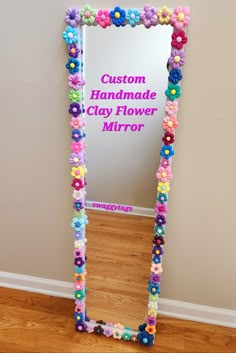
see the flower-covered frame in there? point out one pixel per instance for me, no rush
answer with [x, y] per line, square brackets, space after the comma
[149, 16]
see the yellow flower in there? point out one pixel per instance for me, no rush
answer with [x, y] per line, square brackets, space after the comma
[152, 312]
[150, 329]
[77, 172]
[164, 15]
[163, 188]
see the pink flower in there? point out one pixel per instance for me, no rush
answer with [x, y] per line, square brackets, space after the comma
[161, 208]
[103, 18]
[78, 286]
[171, 107]
[77, 147]
[77, 123]
[170, 123]
[77, 195]
[79, 309]
[180, 17]
[75, 81]
[164, 174]
[156, 268]
[165, 162]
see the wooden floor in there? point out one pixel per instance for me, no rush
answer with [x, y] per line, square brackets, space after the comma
[37, 323]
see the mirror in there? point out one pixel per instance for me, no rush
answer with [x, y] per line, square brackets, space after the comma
[122, 164]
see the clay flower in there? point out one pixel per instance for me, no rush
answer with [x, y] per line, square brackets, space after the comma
[162, 198]
[78, 194]
[177, 58]
[164, 174]
[73, 65]
[154, 288]
[145, 338]
[118, 16]
[164, 15]
[90, 329]
[160, 221]
[161, 208]
[88, 15]
[117, 333]
[80, 326]
[76, 159]
[134, 338]
[77, 123]
[103, 18]
[73, 51]
[156, 268]
[167, 152]
[98, 330]
[159, 230]
[149, 16]
[77, 253]
[78, 205]
[173, 92]
[79, 295]
[74, 96]
[159, 240]
[107, 332]
[75, 81]
[126, 336]
[119, 326]
[168, 138]
[70, 35]
[151, 321]
[170, 123]
[75, 109]
[180, 17]
[150, 329]
[178, 39]
[78, 184]
[133, 17]
[171, 107]
[77, 172]
[77, 135]
[163, 188]
[77, 147]
[175, 76]
[79, 309]
[155, 278]
[72, 17]
[165, 162]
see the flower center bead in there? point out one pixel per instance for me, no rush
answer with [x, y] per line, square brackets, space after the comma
[73, 50]
[170, 123]
[171, 107]
[117, 15]
[167, 152]
[77, 172]
[149, 15]
[164, 14]
[145, 340]
[70, 35]
[72, 65]
[180, 17]
[173, 91]
[87, 14]
[72, 16]
[103, 17]
[76, 160]
[74, 95]
[163, 188]
[74, 110]
[168, 138]
[177, 59]
[179, 39]
[132, 16]
[163, 175]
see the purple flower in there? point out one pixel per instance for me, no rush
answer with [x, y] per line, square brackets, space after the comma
[107, 332]
[151, 321]
[79, 261]
[165, 162]
[157, 250]
[80, 326]
[75, 109]
[72, 17]
[78, 205]
[177, 58]
[155, 278]
[90, 329]
[77, 159]
[73, 51]
[149, 16]
[160, 220]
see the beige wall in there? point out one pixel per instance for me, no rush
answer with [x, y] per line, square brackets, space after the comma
[35, 195]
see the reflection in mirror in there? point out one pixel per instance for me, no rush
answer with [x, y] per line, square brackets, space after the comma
[126, 77]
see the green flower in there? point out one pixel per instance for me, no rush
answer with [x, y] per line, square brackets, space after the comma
[88, 15]
[159, 231]
[79, 294]
[126, 336]
[75, 96]
[173, 92]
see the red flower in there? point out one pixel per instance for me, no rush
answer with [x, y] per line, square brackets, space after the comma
[77, 184]
[179, 39]
[168, 138]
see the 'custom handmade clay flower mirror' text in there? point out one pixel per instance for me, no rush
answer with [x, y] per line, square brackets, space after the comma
[124, 68]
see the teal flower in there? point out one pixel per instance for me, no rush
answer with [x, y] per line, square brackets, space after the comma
[162, 198]
[126, 336]
[70, 35]
[159, 230]
[133, 17]
[173, 92]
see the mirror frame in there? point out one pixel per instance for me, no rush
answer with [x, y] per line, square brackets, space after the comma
[150, 16]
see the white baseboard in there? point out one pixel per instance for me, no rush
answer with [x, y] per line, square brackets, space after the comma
[167, 307]
[136, 211]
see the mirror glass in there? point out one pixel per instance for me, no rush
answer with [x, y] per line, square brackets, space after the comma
[126, 77]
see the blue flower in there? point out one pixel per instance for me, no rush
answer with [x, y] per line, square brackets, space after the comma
[73, 65]
[175, 76]
[154, 288]
[77, 135]
[76, 224]
[167, 152]
[79, 269]
[156, 259]
[145, 338]
[118, 16]
[70, 35]
[79, 317]
[133, 17]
